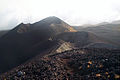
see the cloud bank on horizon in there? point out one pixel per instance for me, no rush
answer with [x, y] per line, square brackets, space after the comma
[74, 12]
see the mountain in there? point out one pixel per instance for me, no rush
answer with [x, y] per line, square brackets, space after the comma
[46, 37]
[27, 40]
[77, 64]
[108, 31]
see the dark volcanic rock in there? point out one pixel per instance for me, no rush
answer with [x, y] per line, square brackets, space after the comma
[78, 64]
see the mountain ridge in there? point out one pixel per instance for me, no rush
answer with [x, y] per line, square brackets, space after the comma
[49, 35]
[27, 40]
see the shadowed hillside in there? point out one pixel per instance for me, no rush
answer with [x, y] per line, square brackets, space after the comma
[27, 40]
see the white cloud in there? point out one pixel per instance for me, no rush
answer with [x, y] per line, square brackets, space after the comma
[74, 12]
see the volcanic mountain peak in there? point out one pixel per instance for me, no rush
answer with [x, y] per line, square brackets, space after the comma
[49, 20]
[50, 24]
[52, 19]
[56, 24]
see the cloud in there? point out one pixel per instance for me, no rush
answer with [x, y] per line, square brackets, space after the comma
[74, 12]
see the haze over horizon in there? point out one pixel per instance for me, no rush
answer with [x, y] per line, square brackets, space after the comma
[74, 12]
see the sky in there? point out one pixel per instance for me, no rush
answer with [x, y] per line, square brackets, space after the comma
[74, 12]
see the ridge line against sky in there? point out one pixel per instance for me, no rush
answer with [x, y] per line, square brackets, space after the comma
[74, 12]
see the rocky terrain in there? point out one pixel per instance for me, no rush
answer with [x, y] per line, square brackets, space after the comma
[77, 64]
[52, 50]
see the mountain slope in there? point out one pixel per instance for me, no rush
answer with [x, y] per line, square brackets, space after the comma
[2, 32]
[84, 39]
[27, 40]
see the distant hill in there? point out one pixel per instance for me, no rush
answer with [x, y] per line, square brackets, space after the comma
[116, 22]
[108, 31]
